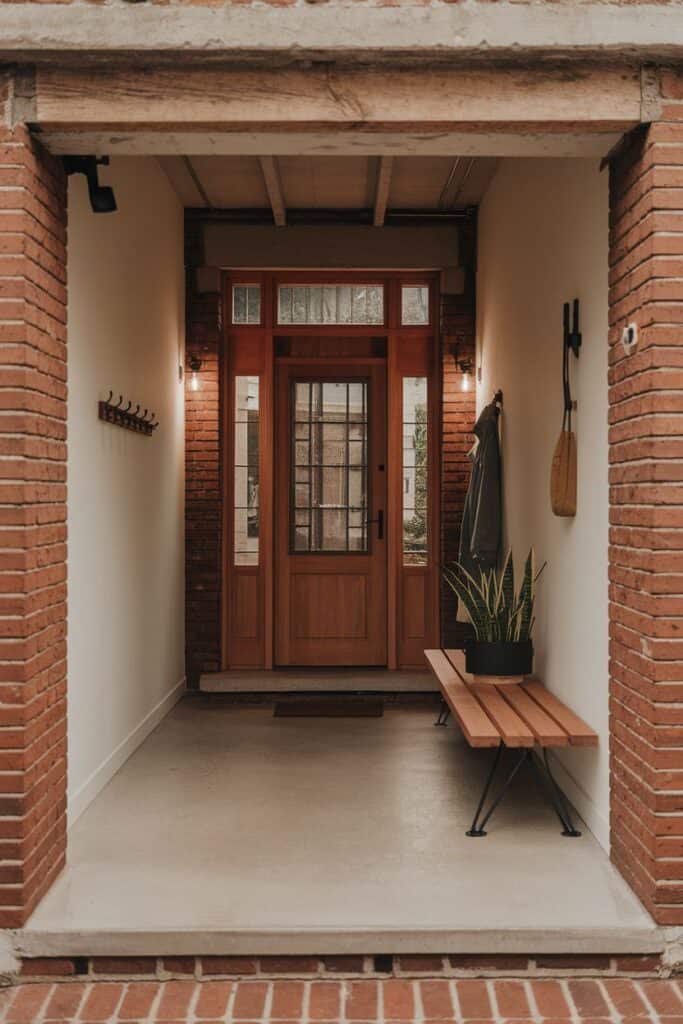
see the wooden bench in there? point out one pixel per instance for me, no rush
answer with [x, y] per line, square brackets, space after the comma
[523, 716]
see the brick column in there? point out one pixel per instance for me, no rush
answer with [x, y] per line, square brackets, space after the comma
[33, 396]
[457, 421]
[203, 492]
[646, 511]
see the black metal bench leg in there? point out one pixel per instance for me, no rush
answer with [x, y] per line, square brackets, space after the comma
[544, 774]
[556, 796]
[478, 826]
[444, 714]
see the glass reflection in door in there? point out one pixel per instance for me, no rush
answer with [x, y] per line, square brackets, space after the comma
[329, 467]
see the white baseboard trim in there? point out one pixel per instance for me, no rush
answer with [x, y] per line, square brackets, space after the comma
[86, 793]
[597, 822]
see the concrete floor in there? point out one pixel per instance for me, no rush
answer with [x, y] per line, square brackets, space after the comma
[230, 830]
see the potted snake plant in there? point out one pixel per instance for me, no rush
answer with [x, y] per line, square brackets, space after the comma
[502, 617]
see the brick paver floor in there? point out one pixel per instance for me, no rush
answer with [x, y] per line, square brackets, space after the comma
[589, 1000]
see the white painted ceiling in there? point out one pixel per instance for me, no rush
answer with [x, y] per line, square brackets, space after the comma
[334, 182]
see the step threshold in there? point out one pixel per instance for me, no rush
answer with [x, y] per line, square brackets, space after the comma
[318, 681]
[329, 942]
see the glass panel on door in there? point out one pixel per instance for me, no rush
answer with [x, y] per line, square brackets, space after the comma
[329, 467]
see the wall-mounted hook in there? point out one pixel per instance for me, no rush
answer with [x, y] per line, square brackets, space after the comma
[119, 416]
[572, 338]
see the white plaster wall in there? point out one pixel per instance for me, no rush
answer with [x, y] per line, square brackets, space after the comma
[125, 497]
[542, 241]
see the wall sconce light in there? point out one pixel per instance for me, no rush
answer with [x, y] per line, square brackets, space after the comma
[195, 367]
[465, 366]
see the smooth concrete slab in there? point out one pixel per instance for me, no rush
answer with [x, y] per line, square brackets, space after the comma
[316, 681]
[232, 831]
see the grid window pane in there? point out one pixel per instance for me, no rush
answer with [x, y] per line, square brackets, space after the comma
[414, 305]
[246, 471]
[415, 456]
[331, 304]
[246, 304]
[329, 466]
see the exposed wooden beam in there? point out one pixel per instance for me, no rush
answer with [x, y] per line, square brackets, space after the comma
[271, 178]
[197, 181]
[406, 100]
[296, 142]
[386, 166]
[184, 185]
[458, 175]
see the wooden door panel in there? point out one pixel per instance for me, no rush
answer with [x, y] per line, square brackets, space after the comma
[245, 609]
[331, 556]
[414, 606]
[329, 606]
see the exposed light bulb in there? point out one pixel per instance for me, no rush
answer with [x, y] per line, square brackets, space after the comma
[195, 366]
[465, 382]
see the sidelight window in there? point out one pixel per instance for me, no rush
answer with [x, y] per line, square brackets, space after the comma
[415, 465]
[329, 467]
[246, 506]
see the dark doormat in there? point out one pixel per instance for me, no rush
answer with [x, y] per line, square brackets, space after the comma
[345, 708]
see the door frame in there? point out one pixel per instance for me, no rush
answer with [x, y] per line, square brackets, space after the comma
[248, 592]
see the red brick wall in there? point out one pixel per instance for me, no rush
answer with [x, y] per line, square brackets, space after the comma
[32, 523]
[646, 511]
[203, 491]
[458, 413]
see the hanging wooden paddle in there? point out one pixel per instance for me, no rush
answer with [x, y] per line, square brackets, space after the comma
[563, 470]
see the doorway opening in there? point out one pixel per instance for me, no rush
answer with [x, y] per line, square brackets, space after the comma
[331, 469]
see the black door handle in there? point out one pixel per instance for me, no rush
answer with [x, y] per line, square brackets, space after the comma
[380, 524]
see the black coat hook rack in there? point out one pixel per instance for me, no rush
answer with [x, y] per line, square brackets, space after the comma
[114, 412]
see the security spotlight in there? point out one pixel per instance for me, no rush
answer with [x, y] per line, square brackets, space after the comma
[102, 199]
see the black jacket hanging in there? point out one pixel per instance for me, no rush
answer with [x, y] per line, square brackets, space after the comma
[480, 535]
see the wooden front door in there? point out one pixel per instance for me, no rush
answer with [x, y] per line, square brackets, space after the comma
[330, 515]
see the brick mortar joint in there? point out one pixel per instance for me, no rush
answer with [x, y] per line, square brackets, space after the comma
[669, 964]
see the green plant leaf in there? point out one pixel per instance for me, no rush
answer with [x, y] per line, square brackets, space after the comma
[493, 608]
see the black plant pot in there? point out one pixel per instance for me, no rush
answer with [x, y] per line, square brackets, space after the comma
[503, 658]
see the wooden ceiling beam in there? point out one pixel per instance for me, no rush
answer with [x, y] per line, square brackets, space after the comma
[386, 166]
[273, 183]
[406, 100]
[296, 142]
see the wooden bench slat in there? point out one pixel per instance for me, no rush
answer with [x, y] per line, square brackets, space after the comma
[478, 728]
[546, 730]
[515, 732]
[580, 734]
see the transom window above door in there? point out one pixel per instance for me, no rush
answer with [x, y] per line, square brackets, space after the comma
[353, 304]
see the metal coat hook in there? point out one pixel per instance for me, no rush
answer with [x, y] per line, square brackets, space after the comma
[571, 343]
[113, 413]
